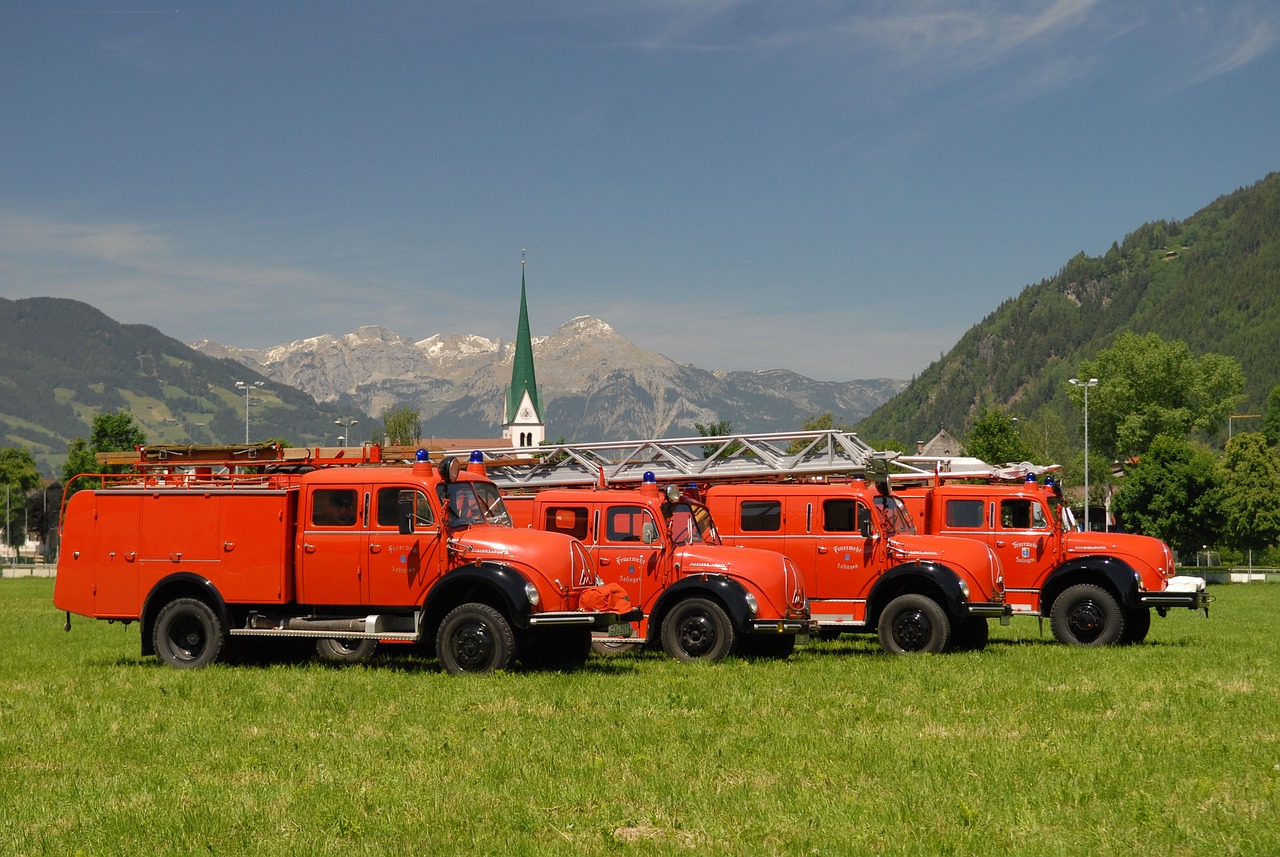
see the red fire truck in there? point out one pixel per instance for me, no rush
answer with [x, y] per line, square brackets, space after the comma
[210, 547]
[864, 567]
[701, 600]
[1096, 588]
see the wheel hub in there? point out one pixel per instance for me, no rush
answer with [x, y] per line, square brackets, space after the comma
[912, 630]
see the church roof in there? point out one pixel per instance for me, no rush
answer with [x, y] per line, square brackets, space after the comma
[522, 374]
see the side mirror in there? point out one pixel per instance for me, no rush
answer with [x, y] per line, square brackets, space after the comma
[649, 532]
[865, 528]
[404, 512]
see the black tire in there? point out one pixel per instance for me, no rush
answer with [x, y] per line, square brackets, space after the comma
[914, 624]
[697, 629]
[1087, 615]
[1136, 625]
[188, 634]
[555, 648]
[970, 634]
[768, 646]
[475, 638]
[345, 650]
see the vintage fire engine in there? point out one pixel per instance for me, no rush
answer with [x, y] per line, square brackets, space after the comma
[211, 549]
[701, 600]
[1096, 588]
[864, 567]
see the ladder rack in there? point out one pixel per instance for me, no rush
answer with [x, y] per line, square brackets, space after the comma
[776, 456]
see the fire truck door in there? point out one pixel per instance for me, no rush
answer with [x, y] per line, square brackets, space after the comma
[841, 575]
[116, 542]
[622, 554]
[333, 539]
[402, 568]
[1021, 535]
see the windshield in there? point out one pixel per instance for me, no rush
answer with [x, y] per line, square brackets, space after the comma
[896, 517]
[690, 523]
[475, 503]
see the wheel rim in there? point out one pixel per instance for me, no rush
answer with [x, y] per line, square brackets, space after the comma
[697, 635]
[912, 630]
[187, 638]
[473, 646]
[1086, 621]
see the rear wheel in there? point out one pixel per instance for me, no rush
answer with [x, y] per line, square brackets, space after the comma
[609, 648]
[188, 634]
[771, 646]
[345, 650]
[970, 634]
[555, 648]
[697, 629]
[1087, 615]
[914, 624]
[475, 638]
[1136, 625]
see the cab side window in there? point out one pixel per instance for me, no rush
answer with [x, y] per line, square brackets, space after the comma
[624, 523]
[761, 516]
[333, 507]
[964, 513]
[570, 520]
[840, 516]
[388, 508]
[1015, 514]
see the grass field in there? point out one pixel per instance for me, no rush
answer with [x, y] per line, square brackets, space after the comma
[1167, 748]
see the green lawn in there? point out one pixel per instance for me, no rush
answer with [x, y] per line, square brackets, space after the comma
[1167, 748]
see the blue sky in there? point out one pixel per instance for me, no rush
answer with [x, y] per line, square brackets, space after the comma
[840, 189]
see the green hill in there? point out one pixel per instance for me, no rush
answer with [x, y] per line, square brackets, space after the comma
[1212, 280]
[62, 362]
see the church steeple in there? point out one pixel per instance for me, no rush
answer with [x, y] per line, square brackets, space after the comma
[522, 411]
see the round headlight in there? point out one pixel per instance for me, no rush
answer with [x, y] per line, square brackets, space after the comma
[531, 592]
[752, 604]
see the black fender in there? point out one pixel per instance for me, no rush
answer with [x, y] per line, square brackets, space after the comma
[184, 584]
[1109, 572]
[486, 582]
[731, 594]
[934, 579]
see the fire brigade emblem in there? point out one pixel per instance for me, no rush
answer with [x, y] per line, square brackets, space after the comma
[1026, 553]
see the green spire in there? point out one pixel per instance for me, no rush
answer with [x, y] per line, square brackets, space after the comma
[522, 376]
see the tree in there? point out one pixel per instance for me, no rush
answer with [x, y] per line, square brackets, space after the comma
[18, 475]
[403, 426]
[110, 433]
[1045, 437]
[115, 433]
[716, 429]
[994, 438]
[1250, 493]
[1148, 387]
[1173, 492]
[1271, 417]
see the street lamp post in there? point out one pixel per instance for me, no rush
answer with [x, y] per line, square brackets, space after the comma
[347, 424]
[1092, 382]
[248, 388]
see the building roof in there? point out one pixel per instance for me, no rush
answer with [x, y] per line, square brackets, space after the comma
[522, 375]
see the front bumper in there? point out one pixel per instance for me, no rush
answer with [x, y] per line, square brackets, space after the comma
[1181, 591]
[988, 609]
[585, 619]
[780, 626]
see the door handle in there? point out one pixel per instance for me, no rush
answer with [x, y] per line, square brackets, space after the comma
[308, 547]
[822, 549]
[375, 548]
[604, 560]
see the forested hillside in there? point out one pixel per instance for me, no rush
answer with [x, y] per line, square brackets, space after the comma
[62, 362]
[1212, 280]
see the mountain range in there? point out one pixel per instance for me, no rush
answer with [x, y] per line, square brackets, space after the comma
[63, 361]
[595, 385]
